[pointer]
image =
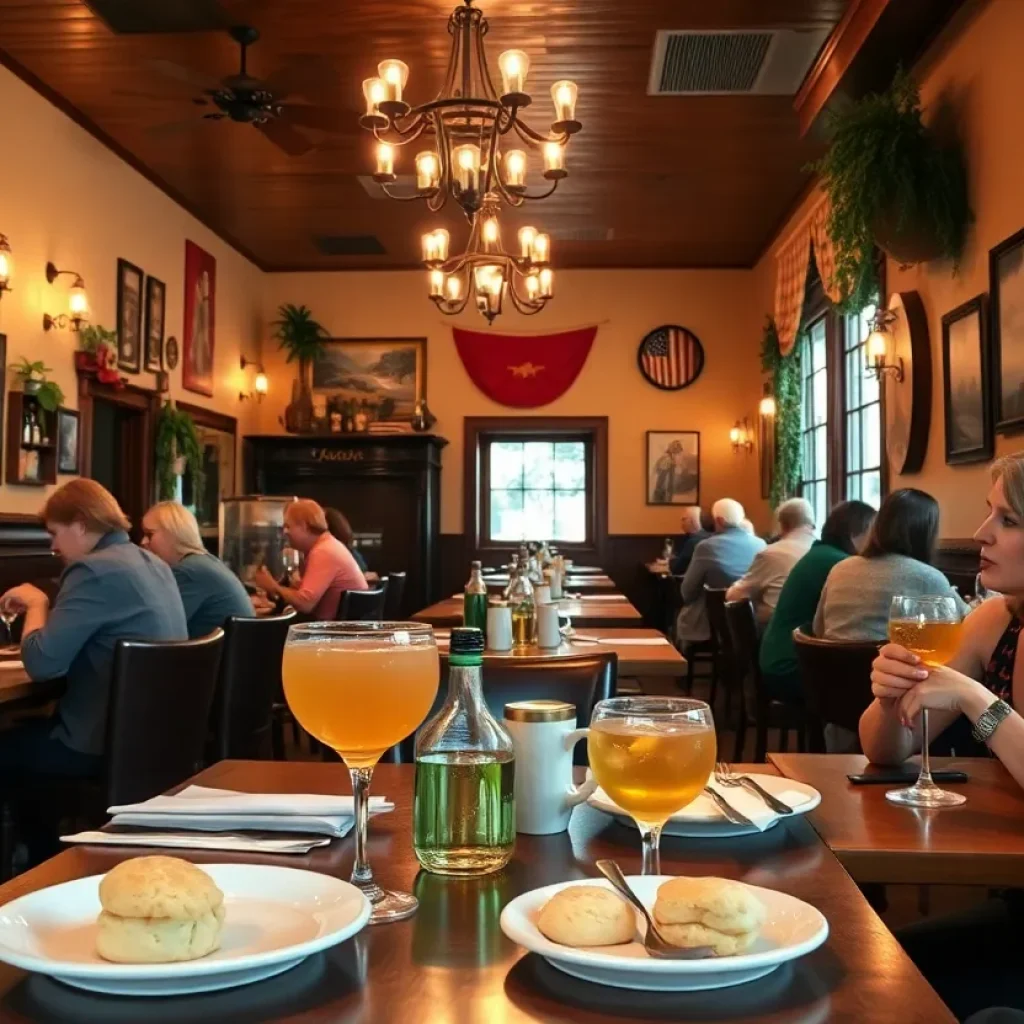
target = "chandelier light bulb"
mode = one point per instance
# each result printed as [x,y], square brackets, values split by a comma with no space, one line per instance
[563,94]
[395,74]
[436,282]
[532,286]
[441,244]
[527,235]
[541,248]
[491,233]
[385,159]
[467,162]
[375,92]
[427,170]
[454,288]
[515,168]
[514,65]
[546,283]
[554,156]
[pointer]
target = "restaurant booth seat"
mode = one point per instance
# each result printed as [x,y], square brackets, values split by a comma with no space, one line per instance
[161,696]
[769,713]
[836,679]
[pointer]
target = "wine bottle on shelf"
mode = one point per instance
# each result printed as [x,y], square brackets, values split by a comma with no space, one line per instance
[37,436]
[26,425]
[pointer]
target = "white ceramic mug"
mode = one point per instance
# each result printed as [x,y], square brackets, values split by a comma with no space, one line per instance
[541,594]
[499,627]
[549,633]
[544,733]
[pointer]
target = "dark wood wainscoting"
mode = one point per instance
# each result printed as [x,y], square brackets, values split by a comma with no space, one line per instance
[959,559]
[25,555]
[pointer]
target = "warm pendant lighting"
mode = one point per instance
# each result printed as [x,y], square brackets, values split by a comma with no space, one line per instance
[878,346]
[78,302]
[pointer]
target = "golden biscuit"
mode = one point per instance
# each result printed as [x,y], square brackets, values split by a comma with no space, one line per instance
[587,915]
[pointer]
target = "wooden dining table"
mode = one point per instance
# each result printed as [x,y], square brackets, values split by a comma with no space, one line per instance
[596,581]
[18,687]
[585,612]
[978,843]
[451,961]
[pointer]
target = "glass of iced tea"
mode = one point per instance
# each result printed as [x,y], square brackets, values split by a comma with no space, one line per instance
[930,628]
[653,756]
[360,688]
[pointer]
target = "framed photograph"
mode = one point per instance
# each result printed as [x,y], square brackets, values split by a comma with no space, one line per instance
[200,318]
[129,316]
[389,375]
[67,441]
[670,357]
[156,304]
[673,467]
[966,383]
[1006,288]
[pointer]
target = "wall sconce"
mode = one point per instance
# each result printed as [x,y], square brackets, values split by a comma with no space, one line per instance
[878,346]
[767,406]
[259,384]
[78,303]
[741,437]
[6,265]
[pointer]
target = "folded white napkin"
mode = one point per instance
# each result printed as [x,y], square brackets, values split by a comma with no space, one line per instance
[220,810]
[633,641]
[603,597]
[11,664]
[212,841]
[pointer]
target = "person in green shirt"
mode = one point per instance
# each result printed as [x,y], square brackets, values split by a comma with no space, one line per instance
[845,530]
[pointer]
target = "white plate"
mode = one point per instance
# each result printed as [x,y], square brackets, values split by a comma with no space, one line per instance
[275,917]
[792,929]
[703,820]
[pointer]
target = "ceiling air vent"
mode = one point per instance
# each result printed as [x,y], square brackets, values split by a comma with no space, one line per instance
[755,62]
[140,17]
[349,245]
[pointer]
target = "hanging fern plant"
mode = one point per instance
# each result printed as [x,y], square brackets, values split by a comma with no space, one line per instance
[176,438]
[785,371]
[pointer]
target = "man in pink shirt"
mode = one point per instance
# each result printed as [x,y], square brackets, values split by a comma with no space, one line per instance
[329,568]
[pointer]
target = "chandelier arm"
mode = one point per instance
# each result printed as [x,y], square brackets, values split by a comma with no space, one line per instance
[528,134]
[527,307]
[543,195]
[415,128]
[448,85]
[428,195]
[513,199]
[481,60]
[490,175]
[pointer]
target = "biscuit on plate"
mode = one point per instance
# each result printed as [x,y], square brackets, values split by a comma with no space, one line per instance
[692,936]
[717,903]
[587,915]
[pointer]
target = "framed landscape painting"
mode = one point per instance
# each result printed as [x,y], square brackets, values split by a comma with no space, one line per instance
[1006,288]
[673,467]
[967,383]
[388,375]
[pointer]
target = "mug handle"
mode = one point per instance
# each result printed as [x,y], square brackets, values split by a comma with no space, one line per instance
[577,794]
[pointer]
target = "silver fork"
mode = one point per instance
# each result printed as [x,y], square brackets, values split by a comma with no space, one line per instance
[725,776]
[654,942]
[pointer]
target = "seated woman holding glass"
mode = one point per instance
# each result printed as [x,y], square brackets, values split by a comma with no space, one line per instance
[973,698]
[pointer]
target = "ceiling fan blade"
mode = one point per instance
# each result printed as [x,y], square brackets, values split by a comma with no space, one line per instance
[180,73]
[285,137]
[324,119]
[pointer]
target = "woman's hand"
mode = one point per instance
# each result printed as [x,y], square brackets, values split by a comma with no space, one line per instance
[264,580]
[895,671]
[945,689]
[19,599]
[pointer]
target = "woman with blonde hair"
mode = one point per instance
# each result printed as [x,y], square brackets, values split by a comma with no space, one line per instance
[110,590]
[210,591]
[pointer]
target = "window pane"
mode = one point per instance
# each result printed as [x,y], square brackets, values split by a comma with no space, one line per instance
[507,515]
[506,464]
[853,484]
[872,442]
[853,442]
[871,489]
[854,378]
[539,515]
[539,464]
[570,516]
[818,345]
[820,453]
[869,385]
[570,465]
[820,397]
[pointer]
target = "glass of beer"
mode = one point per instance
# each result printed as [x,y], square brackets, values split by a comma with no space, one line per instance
[653,756]
[360,688]
[930,628]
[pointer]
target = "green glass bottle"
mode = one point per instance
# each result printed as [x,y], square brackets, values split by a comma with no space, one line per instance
[474,600]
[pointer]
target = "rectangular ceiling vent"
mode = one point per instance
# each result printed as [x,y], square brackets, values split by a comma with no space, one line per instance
[753,62]
[349,245]
[141,17]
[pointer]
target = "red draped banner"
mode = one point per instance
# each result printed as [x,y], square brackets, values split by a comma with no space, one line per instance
[525,370]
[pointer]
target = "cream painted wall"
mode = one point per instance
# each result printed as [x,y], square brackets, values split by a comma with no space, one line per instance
[65,197]
[716,305]
[978,66]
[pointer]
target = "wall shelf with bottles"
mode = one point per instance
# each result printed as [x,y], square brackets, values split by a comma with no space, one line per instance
[31,454]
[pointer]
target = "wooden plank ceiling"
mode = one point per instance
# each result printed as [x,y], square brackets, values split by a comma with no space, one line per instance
[655,181]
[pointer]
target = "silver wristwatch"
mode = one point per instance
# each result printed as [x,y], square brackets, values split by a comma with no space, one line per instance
[988,721]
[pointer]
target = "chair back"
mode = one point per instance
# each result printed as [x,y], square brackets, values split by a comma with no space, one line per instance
[836,677]
[741,625]
[362,605]
[249,685]
[714,603]
[394,597]
[160,702]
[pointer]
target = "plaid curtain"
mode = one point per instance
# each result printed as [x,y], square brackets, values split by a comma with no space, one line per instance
[791,279]
[824,252]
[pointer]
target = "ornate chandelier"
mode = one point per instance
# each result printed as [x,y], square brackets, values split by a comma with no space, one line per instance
[475,159]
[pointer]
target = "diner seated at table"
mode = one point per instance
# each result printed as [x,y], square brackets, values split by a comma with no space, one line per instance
[341,529]
[692,533]
[328,570]
[717,562]
[110,590]
[763,581]
[897,559]
[844,533]
[210,591]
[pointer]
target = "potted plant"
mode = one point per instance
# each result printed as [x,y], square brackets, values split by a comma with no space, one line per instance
[33,382]
[177,447]
[301,337]
[98,354]
[893,182]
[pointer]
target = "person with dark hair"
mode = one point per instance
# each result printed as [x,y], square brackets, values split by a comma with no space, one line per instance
[341,529]
[844,533]
[897,559]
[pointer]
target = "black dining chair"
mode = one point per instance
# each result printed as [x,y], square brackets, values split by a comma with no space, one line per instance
[768,712]
[724,670]
[394,598]
[249,709]
[581,680]
[836,679]
[361,605]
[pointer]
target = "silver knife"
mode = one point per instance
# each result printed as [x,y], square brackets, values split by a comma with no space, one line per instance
[777,805]
[727,808]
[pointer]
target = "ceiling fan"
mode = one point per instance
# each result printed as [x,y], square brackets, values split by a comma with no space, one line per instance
[259,102]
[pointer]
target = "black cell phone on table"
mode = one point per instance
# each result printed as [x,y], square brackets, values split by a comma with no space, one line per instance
[896,777]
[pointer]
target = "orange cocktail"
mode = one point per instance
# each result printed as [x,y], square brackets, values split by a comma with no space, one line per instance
[934,643]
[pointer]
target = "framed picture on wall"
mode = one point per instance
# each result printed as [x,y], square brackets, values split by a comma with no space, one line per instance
[966,384]
[156,304]
[129,316]
[386,375]
[67,441]
[1006,287]
[673,467]
[200,318]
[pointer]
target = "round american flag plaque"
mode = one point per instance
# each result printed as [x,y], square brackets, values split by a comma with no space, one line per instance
[670,357]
